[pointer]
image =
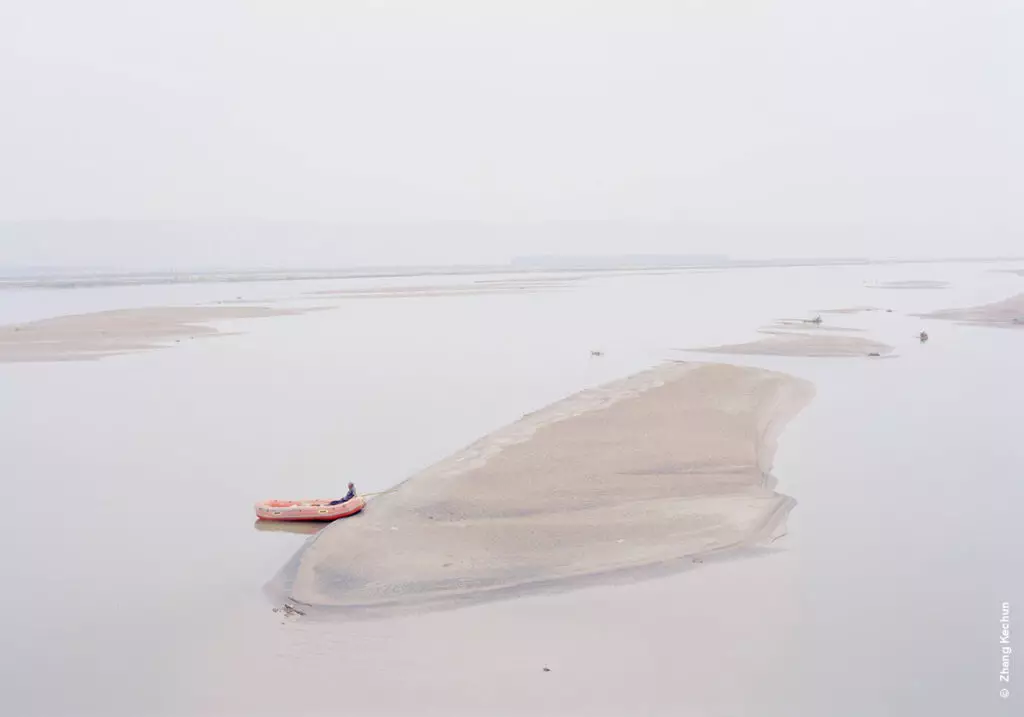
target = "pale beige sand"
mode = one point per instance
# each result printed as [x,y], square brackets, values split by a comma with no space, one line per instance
[670,463]
[804,325]
[1007,313]
[800,344]
[82,337]
[475,289]
[542,280]
[851,310]
[915,284]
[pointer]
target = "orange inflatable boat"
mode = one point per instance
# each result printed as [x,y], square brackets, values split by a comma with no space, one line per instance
[308,509]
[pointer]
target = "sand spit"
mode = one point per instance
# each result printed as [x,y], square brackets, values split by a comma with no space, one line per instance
[805,325]
[799,344]
[558,279]
[1008,313]
[851,310]
[665,465]
[918,284]
[83,337]
[475,289]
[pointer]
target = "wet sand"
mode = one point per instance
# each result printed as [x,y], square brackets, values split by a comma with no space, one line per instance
[1008,313]
[85,337]
[801,344]
[658,468]
[851,310]
[789,325]
[916,284]
[441,290]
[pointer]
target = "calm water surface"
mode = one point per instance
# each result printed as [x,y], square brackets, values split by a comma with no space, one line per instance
[133,573]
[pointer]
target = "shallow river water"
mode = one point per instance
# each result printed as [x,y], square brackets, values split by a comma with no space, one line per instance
[133,573]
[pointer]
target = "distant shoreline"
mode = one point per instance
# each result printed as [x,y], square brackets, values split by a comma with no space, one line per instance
[56,278]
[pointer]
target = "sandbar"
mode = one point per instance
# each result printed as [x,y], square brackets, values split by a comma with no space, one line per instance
[1008,313]
[475,289]
[640,474]
[804,325]
[914,284]
[84,337]
[800,344]
[851,310]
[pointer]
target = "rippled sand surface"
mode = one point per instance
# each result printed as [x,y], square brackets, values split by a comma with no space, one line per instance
[670,463]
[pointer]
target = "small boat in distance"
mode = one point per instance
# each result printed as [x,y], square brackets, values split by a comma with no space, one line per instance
[317,509]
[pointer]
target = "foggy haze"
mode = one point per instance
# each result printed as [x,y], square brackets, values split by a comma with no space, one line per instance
[257,133]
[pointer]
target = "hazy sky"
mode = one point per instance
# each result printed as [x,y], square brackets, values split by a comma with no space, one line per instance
[751,127]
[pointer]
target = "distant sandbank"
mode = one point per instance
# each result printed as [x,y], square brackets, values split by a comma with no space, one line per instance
[789,325]
[1008,313]
[441,290]
[780,343]
[915,284]
[647,471]
[84,337]
[851,310]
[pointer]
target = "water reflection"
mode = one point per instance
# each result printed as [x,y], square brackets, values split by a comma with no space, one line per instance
[298,527]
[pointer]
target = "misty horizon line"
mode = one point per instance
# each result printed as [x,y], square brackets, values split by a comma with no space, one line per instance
[92,277]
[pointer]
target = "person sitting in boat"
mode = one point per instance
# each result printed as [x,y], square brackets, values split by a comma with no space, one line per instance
[348,496]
